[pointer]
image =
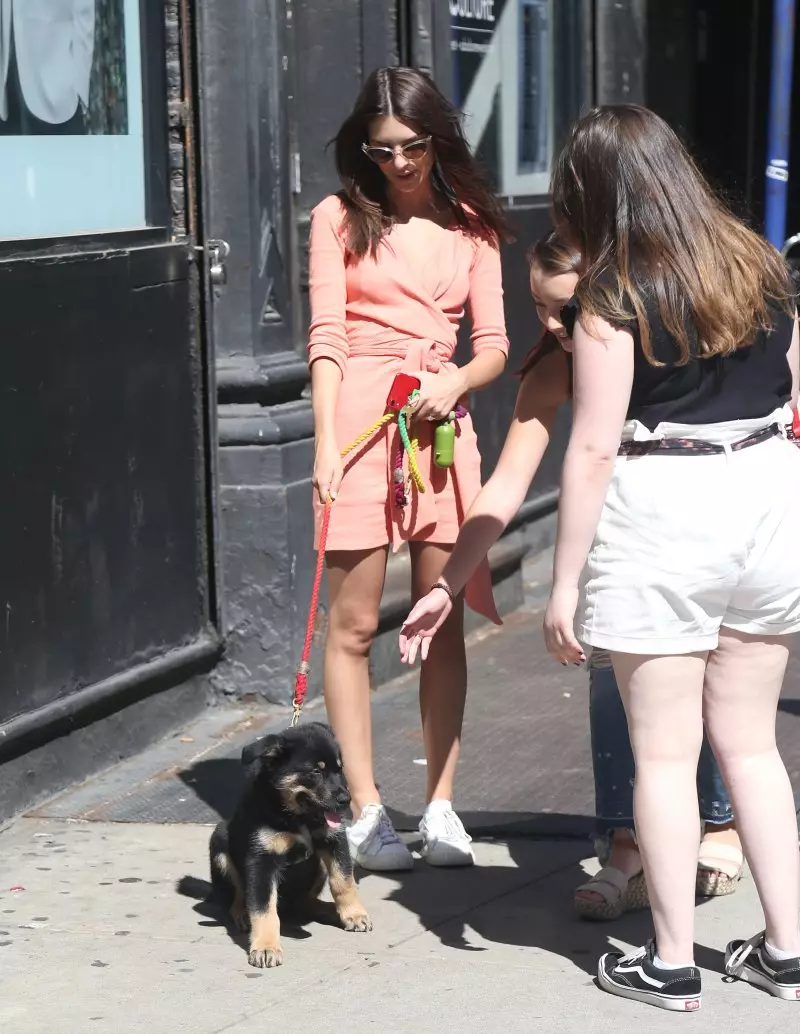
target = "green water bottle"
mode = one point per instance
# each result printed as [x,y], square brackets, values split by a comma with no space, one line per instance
[444,442]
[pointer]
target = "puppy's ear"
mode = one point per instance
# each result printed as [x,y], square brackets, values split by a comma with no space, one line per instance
[262,751]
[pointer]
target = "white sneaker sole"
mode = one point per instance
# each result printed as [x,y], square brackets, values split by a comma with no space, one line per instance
[382,861]
[374,863]
[448,856]
[647,997]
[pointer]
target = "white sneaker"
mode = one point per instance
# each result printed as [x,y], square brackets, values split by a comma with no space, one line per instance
[374,843]
[444,839]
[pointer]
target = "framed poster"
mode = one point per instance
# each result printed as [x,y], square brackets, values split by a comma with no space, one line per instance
[71,119]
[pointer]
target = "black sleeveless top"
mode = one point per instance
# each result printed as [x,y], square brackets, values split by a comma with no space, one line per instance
[752,382]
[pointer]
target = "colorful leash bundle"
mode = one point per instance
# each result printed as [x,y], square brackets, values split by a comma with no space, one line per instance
[410,446]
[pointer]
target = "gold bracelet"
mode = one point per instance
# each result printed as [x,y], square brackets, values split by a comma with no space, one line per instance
[445,588]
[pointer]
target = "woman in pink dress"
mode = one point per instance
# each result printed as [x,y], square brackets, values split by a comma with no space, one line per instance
[394,257]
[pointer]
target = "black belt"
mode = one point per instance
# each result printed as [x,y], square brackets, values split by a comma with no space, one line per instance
[695,446]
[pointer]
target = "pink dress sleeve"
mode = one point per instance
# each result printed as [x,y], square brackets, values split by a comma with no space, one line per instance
[486,300]
[327,286]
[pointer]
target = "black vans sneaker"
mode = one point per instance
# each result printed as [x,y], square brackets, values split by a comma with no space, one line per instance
[638,977]
[750,961]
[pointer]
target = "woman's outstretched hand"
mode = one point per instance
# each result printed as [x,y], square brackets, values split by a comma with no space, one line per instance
[422,623]
[559,627]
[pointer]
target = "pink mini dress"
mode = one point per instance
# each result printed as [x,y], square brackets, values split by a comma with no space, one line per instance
[400,312]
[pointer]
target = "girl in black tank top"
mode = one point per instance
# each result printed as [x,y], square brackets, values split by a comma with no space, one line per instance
[676,546]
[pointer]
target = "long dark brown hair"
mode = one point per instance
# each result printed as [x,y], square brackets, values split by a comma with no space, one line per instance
[638,209]
[412,97]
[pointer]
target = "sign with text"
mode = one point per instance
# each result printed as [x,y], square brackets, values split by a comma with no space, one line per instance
[472,25]
[502,81]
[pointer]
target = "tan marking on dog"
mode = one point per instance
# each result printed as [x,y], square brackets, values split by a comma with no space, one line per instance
[291,789]
[348,904]
[265,936]
[274,842]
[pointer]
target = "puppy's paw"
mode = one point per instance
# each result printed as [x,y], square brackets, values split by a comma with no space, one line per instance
[356,919]
[266,958]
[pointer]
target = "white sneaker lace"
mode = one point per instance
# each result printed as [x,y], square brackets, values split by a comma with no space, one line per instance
[453,828]
[636,955]
[386,832]
[736,962]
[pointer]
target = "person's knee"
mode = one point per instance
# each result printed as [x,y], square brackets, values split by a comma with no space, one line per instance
[353,632]
[660,744]
[732,743]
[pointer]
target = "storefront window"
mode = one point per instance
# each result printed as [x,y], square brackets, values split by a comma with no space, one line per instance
[71,120]
[504,54]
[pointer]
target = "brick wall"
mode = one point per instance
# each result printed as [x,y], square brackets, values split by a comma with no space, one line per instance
[177,155]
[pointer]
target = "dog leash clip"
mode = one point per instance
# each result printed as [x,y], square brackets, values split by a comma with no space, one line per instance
[301,685]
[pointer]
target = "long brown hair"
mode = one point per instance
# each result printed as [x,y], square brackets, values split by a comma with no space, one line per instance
[628,194]
[412,97]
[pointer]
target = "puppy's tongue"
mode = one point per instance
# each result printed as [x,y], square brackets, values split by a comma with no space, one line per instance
[333,819]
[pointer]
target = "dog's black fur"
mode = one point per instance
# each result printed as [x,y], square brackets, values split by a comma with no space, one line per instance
[286,838]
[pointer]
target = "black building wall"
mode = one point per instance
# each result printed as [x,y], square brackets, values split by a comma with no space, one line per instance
[105,544]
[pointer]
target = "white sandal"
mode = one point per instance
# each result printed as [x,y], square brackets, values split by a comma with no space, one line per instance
[619,894]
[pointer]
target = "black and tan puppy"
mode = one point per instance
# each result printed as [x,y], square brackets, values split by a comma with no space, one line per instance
[286,838]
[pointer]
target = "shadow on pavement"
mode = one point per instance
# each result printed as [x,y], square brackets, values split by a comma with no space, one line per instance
[213,915]
[537,915]
[507,824]
[483,908]
[218,782]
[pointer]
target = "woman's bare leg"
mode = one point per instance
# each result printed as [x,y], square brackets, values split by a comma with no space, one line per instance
[663,701]
[443,681]
[743,682]
[355,584]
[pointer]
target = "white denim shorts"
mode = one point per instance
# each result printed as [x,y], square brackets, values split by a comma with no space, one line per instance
[688,543]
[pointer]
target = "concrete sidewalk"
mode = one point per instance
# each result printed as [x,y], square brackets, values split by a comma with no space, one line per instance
[94,937]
